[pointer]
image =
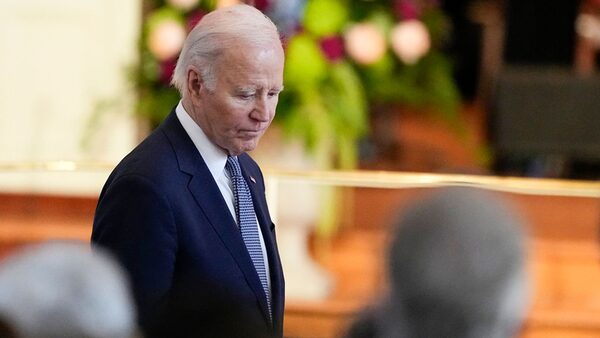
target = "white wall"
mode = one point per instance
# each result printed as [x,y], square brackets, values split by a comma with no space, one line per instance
[59,60]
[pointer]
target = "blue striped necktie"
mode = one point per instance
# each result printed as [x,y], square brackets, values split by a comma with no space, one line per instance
[244,210]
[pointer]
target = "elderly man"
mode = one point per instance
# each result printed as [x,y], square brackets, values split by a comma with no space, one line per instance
[185,211]
[457,269]
[63,289]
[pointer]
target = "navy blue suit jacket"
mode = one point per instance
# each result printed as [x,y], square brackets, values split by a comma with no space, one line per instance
[163,216]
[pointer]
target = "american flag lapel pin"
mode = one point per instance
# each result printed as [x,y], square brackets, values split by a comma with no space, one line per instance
[252,179]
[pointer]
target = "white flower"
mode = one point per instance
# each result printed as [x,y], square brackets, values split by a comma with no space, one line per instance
[225,3]
[183,4]
[365,43]
[588,26]
[410,40]
[166,39]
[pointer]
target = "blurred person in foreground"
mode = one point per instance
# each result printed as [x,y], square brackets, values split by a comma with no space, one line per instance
[63,289]
[185,211]
[457,269]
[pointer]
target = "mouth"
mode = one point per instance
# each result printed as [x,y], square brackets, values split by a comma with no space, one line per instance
[250,132]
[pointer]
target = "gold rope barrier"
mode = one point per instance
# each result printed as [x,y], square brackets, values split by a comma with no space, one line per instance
[367,179]
[56,166]
[398,180]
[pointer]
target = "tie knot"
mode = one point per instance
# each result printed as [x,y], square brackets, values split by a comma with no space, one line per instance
[233,166]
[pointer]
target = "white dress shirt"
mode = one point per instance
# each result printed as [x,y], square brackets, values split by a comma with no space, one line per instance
[215,159]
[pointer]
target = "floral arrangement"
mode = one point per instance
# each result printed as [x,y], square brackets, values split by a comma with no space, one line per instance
[343,57]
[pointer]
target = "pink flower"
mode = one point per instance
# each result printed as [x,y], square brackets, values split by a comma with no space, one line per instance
[193,19]
[167,68]
[406,9]
[332,47]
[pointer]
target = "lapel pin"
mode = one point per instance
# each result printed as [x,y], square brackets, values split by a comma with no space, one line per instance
[252,179]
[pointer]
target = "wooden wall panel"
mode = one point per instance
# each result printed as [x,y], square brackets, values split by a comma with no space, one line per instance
[563,256]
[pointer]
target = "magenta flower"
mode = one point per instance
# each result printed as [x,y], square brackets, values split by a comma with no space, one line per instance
[167,68]
[332,47]
[406,9]
[193,19]
[262,5]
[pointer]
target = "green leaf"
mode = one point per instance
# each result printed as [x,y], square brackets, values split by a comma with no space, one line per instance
[438,25]
[346,99]
[305,64]
[383,19]
[325,17]
[156,104]
[162,14]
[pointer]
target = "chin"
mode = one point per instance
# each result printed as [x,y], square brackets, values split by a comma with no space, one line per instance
[248,146]
[240,150]
[248,149]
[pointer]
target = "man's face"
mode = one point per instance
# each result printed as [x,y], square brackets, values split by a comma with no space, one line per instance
[239,109]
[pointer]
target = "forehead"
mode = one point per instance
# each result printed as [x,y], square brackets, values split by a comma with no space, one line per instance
[245,65]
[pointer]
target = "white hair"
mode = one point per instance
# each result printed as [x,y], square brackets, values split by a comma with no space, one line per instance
[215,33]
[62,289]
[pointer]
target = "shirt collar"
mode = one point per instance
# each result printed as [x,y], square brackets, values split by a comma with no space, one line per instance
[214,157]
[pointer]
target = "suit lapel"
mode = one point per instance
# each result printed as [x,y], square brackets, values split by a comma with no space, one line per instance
[209,198]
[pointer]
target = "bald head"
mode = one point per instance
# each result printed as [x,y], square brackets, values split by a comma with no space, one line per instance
[63,289]
[225,29]
[457,264]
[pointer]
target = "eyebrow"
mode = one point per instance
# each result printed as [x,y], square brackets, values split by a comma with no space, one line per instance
[254,89]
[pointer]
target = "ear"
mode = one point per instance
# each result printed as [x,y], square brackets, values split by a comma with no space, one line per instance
[194,82]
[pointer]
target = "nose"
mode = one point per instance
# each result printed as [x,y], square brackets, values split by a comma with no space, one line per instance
[262,110]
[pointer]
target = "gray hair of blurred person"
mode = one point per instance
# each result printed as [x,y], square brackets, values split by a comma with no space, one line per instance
[214,34]
[457,267]
[63,289]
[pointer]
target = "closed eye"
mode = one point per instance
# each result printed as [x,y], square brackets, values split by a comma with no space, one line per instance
[245,96]
[275,92]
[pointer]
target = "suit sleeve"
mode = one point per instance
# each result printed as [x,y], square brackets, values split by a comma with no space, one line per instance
[135,222]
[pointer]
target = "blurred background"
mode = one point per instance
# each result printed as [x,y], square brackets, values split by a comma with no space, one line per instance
[498,88]
[490,86]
